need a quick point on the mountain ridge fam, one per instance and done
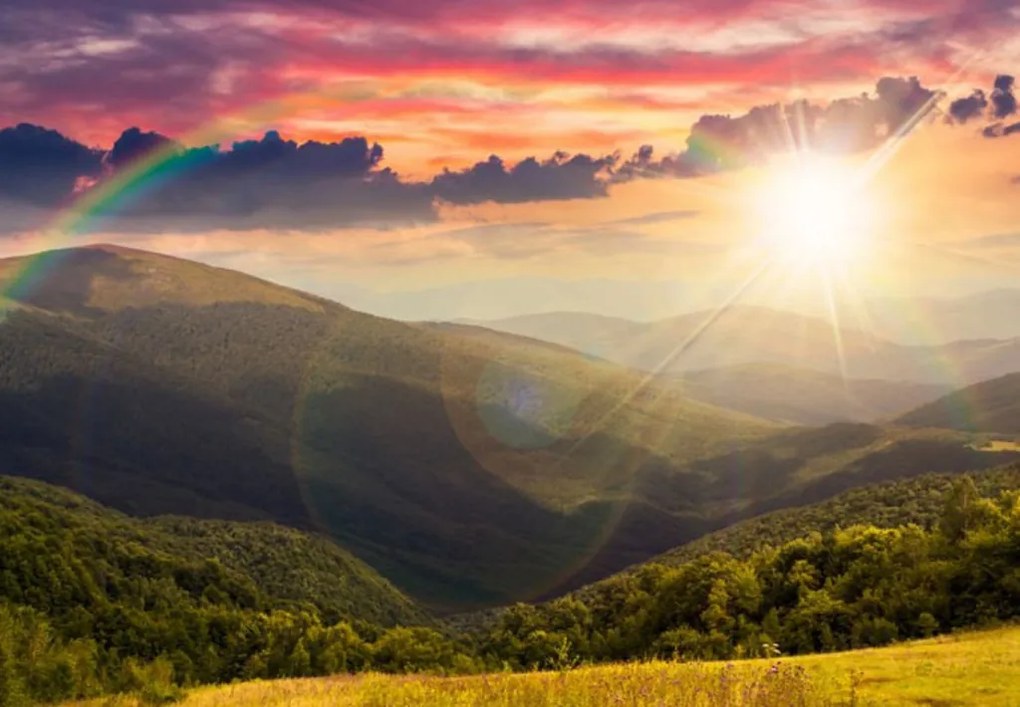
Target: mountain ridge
(469, 468)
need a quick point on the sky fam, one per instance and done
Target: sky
(489, 158)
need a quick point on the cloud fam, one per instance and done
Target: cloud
(1001, 103)
(271, 182)
(846, 125)
(42, 167)
(999, 130)
(176, 66)
(274, 182)
(998, 241)
(1003, 98)
(973, 106)
(133, 144)
(562, 176)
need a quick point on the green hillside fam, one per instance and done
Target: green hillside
(990, 406)
(62, 551)
(919, 501)
(847, 587)
(886, 505)
(467, 467)
(94, 602)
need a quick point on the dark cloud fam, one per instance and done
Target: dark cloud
(1001, 129)
(562, 176)
(273, 182)
(1003, 98)
(1001, 103)
(267, 183)
(133, 143)
(973, 106)
(41, 166)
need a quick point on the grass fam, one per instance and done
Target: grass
(976, 668)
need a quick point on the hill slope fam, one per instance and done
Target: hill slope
(467, 469)
(990, 406)
(61, 550)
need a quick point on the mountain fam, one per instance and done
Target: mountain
(803, 396)
(990, 406)
(466, 468)
(61, 549)
(470, 468)
(747, 334)
(700, 340)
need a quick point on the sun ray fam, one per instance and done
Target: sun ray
(837, 332)
(676, 352)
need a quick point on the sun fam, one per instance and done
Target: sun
(814, 214)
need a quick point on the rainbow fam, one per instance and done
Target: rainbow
(153, 169)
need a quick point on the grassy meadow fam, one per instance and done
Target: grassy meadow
(975, 668)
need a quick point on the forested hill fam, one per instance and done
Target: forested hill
(64, 554)
(890, 504)
(844, 588)
(156, 385)
(94, 602)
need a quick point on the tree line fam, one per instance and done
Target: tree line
(845, 588)
(151, 622)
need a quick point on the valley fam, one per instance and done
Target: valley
(517, 469)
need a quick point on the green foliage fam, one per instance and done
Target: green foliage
(845, 588)
(94, 601)
(919, 501)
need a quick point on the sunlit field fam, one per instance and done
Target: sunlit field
(977, 668)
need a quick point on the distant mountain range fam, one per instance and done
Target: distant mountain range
(778, 364)
(989, 406)
(469, 467)
(804, 396)
(910, 321)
